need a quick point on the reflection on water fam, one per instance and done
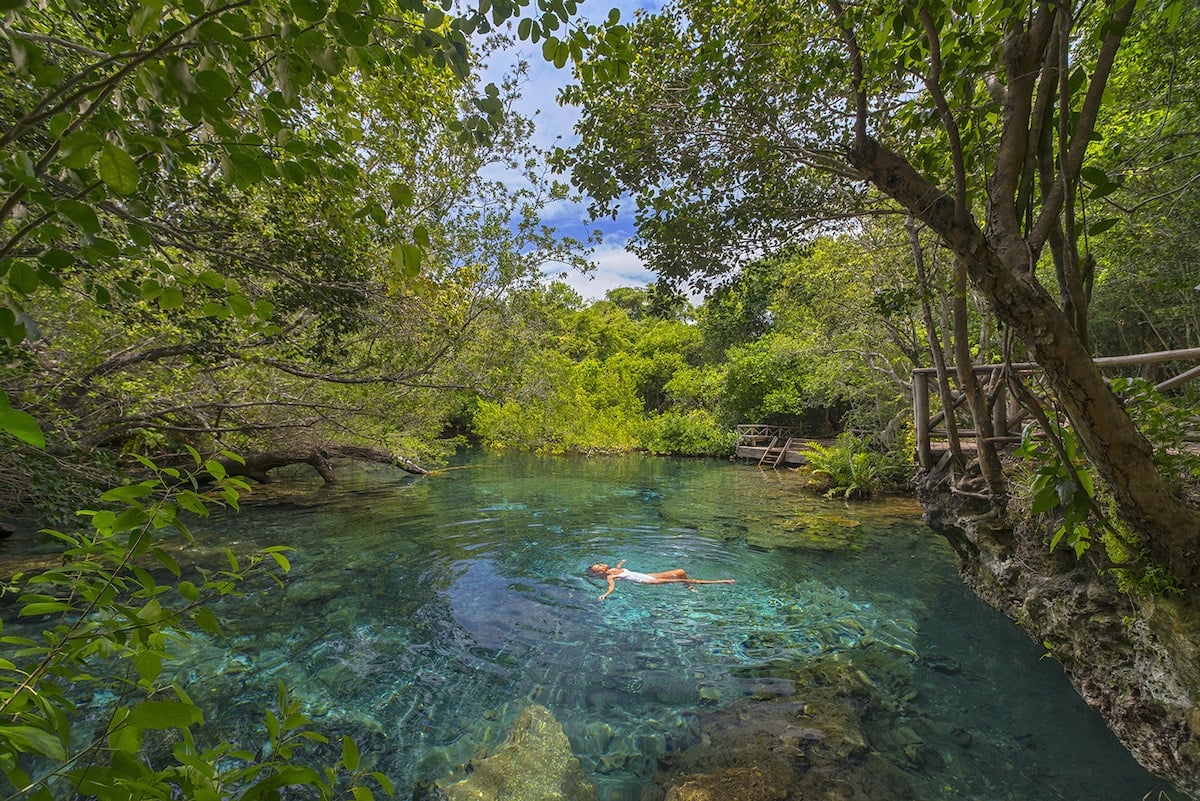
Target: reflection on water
(422, 614)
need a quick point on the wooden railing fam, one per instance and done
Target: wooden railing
(1007, 414)
(760, 436)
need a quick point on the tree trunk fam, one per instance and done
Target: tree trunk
(935, 345)
(985, 446)
(1121, 455)
(258, 466)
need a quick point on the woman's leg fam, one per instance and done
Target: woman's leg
(670, 574)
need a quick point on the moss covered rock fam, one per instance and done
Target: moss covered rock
(535, 763)
(805, 746)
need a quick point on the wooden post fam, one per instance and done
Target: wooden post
(921, 419)
(1000, 410)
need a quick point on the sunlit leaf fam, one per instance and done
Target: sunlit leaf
(19, 424)
(36, 741)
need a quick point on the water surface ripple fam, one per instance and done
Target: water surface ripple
(422, 614)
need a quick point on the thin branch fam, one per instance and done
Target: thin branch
(1088, 114)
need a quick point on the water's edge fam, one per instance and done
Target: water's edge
(1133, 659)
(424, 616)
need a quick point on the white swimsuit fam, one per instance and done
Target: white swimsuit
(632, 575)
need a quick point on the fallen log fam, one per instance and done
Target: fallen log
(258, 465)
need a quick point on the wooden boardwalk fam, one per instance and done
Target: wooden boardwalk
(781, 446)
(773, 446)
(935, 433)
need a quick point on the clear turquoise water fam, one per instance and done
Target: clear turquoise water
(422, 613)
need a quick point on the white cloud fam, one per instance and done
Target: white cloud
(554, 126)
(615, 267)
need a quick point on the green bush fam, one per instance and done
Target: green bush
(694, 433)
(852, 469)
(1164, 424)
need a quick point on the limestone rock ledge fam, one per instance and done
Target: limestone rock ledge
(1134, 659)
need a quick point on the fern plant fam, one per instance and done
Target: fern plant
(849, 468)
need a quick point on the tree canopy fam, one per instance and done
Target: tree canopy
(230, 226)
(741, 128)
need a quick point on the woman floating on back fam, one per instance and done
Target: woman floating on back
(677, 576)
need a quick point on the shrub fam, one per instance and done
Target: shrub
(851, 469)
(694, 433)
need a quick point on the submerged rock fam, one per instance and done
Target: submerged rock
(807, 746)
(535, 763)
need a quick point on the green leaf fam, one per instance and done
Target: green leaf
(282, 561)
(118, 170)
(410, 259)
(44, 608)
(1100, 226)
(78, 149)
(217, 310)
(310, 10)
(350, 756)
(80, 213)
(240, 306)
(128, 493)
(207, 621)
(214, 81)
(164, 715)
(30, 740)
(23, 277)
(19, 424)
(1058, 535)
(166, 560)
(148, 665)
(215, 469)
(1044, 501)
(384, 782)
(401, 194)
(1085, 481)
(56, 258)
(293, 775)
(170, 298)
(245, 167)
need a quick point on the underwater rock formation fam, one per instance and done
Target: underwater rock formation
(535, 763)
(1133, 657)
(805, 746)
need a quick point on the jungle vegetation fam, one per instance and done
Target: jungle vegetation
(237, 235)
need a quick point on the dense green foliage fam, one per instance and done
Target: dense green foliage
(284, 253)
(245, 227)
(1019, 142)
(810, 350)
(851, 469)
(236, 235)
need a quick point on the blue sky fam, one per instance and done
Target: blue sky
(615, 264)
